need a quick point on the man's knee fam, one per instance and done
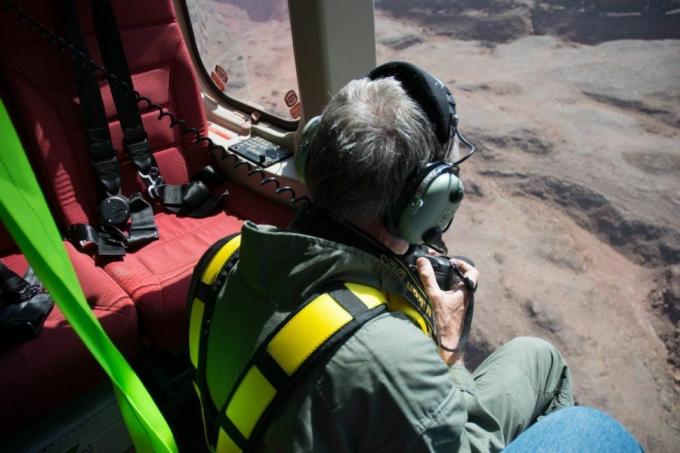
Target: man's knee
(539, 359)
(534, 349)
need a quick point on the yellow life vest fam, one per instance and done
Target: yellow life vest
(298, 342)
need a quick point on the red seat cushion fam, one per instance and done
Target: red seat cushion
(39, 375)
(41, 83)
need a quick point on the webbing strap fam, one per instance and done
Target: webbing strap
(195, 198)
(203, 286)
(102, 153)
(111, 47)
(304, 337)
(24, 306)
(24, 212)
(209, 276)
(109, 240)
(14, 289)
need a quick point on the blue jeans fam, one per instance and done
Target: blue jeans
(575, 430)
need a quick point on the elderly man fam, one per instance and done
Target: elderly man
(321, 339)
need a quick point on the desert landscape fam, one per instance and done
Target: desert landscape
(572, 207)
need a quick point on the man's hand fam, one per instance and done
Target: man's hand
(449, 306)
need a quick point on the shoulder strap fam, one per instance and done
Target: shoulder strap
(193, 199)
(114, 208)
(306, 337)
(210, 274)
(102, 152)
(135, 139)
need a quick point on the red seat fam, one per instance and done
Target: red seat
(39, 375)
(43, 94)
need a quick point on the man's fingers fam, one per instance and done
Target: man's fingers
(427, 277)
(467, 270)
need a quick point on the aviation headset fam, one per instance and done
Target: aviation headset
(429, 199)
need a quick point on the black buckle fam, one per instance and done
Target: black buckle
(114, 210)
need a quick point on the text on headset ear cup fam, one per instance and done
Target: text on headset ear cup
(302, 153)
(428, 203)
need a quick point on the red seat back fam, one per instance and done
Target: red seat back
(43, 96)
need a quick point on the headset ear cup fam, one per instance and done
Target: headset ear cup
(302, 153)
(431, 206)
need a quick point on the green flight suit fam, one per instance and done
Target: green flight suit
(385, 388)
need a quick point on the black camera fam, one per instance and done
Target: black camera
(447, 274)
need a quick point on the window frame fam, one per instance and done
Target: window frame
(286, 125)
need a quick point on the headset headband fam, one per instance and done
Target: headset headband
(433, 97)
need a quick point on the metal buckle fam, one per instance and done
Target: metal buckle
(154, 182)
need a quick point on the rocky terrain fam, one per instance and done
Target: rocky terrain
(572, 208)
(586, 22)
(573, 212)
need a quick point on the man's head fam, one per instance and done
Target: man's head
(377, 156)
(372, 136)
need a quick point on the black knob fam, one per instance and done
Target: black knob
(456, 196)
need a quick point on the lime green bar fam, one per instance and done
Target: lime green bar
(24, 212)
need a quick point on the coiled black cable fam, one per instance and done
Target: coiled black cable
(100, 71)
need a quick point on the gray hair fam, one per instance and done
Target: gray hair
(372, 136)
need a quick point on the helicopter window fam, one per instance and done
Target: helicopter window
(246, 48)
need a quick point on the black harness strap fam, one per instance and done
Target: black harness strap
(24, 305)
(135, 140)
(193, 199)
(114, 209)
(111, 240)
(102, 153)
(142, 224)
(13, 288)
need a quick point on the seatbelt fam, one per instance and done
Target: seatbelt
(304, 337)
(114, 208)
(13, 288)
(24, 212)
(135, 139)
(194, 199)
(24, 305)
(110, 240)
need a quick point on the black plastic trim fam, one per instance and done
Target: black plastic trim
(203, 73)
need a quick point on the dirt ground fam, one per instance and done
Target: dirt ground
(572, 206)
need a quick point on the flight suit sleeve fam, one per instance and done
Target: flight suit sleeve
(389, 390)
